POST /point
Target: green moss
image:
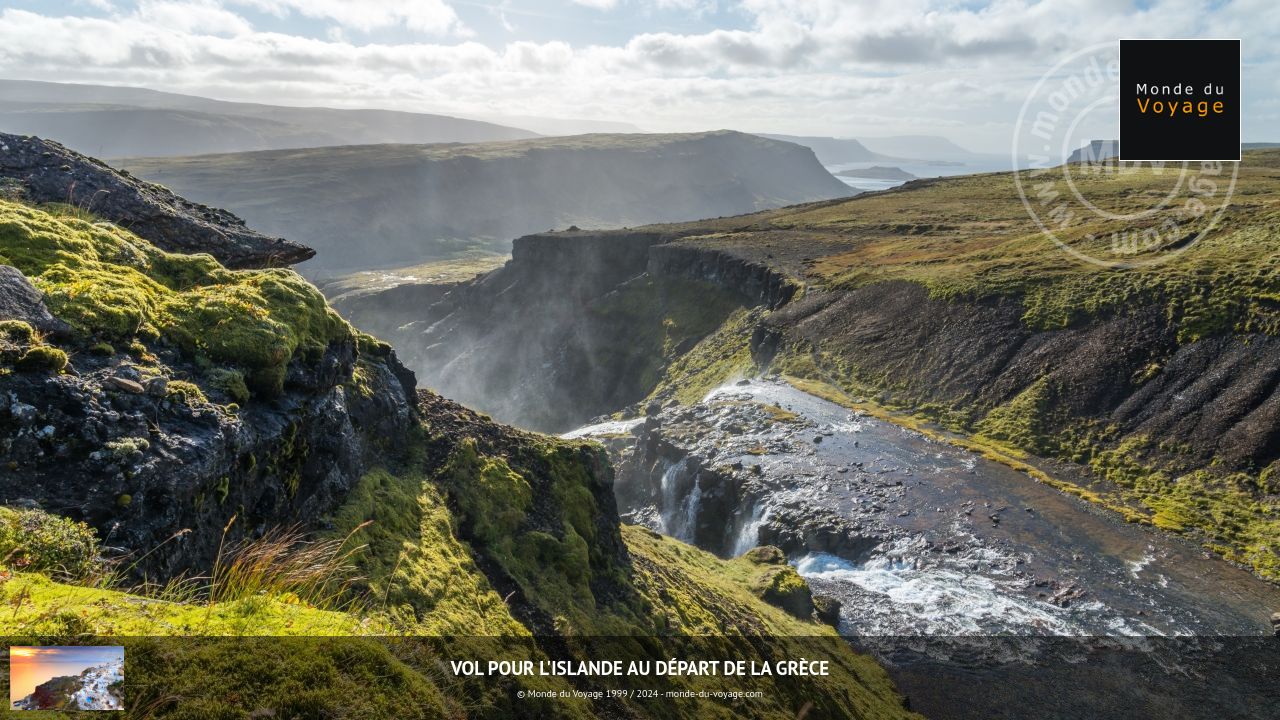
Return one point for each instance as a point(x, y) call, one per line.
point(42, 358)
point(360, 383)
point(102, 349)
point(1023, 420)
point(18, 331)
point(414, 565)
point(783, 587)
point(185, 392)
point(490, 496)
point(111, 285)
point(370, 345)
point(34, 540)
point(230, 382)
point(287, 462)
point(719, 357)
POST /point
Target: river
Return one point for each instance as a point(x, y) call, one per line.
point(932, 542)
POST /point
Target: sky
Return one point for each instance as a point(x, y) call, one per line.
point(839, 68)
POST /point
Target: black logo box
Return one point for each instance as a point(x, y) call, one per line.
point(1182, 65)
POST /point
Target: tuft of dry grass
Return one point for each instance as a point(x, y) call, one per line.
point(283, 563)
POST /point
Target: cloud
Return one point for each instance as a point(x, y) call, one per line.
point(597, 4)
point(801, 66)
point(192, 16)
point(426, 16)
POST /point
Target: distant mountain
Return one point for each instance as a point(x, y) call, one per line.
point(920, 147)
point(831, 151)
point(563, 126)
point(1096, 151)
point(108, 121)
point(380, 206)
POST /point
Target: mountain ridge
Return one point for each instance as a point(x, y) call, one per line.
point(111, 121)
point(410, 203)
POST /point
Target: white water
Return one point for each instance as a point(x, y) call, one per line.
point(749, 535)
point(1137, 566)
point(612, 427)
point(670, 501)
point(689, 518)
point(936, 601)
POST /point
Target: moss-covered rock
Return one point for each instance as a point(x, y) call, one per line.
point(111, 285)
point(17, 331)
point(42, 358)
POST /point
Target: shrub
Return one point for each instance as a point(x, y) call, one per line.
point(42, 358)
point(38, 541)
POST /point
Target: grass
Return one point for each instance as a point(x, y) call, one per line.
point(969, 238)
point(283, 562)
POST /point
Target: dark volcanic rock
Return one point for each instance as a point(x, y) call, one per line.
point(20, 300)
point(141, 466)
point(48, 172)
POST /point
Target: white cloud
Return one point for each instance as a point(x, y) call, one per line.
point(800, 66)
point(192, 16)
point(597, 4)
point(426, 16)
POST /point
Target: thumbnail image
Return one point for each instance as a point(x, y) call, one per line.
point(66, 678)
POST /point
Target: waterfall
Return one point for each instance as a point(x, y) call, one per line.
point(749, 534)
point(670, 493)
point(689, 526)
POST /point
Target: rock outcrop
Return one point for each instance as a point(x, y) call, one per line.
point(156, 395)
point(42, 171)
point(20, 300)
